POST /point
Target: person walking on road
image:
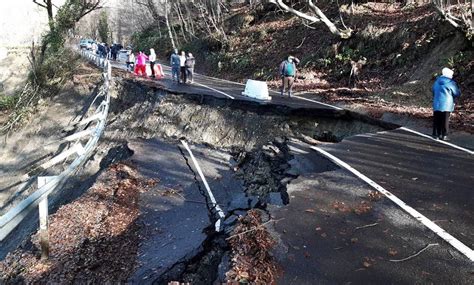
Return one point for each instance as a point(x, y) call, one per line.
point(175, 63)
point(182, 67)
point(288, 74)
point(190, 62)
point(445, 90)
point(152, 59)
point(140, 69)
point(130, 61)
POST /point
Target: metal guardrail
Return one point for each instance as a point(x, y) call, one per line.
point(47, 184)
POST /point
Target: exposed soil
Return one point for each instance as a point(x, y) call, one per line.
point(23, 150)
point(146, 112)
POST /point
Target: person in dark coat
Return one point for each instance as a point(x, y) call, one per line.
point(175, 64)
point(445, 90)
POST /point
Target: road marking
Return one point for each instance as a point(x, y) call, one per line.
point(314, 101)
point(440, 141)
point(220, 213)
point(238, 83)
point(215, 90)
point(469, 253)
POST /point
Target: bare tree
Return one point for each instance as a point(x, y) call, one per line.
point(48, 5)
point(458, 14)
point(66, 18)
point(170, 33)
point(318, 16)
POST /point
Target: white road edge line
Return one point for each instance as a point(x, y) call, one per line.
point(220, 213)
point(468, 252)
point(314, 101)
point(215, 90)
point(440, 141)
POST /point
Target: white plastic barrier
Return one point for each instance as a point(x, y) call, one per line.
point(256, 89)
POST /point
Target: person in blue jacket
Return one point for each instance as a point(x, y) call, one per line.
point(175, 63)
point(445, 90)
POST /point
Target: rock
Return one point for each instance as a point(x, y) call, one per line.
point(279, 140)
point(242, 202)
point(274, 198)
point(239, 201)
point(222, 269)
point(230, 220)
point(270, 147)
point(253, 201)
point(294, 167)
point(286, 180)
point(240, 213)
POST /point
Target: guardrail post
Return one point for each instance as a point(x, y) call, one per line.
point(109, 70)
point(43, 218)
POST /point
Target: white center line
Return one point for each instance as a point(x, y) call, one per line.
point(321, 103)
point(220, 213)
point(468, 252)
point(215, 90)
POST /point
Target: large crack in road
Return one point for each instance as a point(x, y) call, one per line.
point(250, 154)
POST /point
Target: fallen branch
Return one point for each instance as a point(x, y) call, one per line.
point(366, 226)
point(253, 229)
point(416, 254)
point(301, 42)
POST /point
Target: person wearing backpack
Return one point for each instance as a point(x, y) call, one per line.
point(288, 74)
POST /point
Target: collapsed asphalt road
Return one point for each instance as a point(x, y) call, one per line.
point(329, 226)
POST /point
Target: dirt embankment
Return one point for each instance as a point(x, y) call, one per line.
point(94, 239)
point(26, 148)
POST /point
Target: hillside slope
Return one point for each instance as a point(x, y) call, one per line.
point(401, 50)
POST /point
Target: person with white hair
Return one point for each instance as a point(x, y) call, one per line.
point(190, 62)
point(152, 59)
point(445, 90)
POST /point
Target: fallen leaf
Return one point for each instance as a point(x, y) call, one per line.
point(366, 264)
point(392, 252)
point(310, 211)
point(318, 228)
point(354, 240)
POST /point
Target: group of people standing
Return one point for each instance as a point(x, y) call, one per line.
point(182, 67)
point(138, 64)
point(445, 89)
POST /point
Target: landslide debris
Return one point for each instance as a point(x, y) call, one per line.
point(92, 240)
point(251, 261)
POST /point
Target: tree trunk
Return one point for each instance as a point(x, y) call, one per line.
point(320, 17)
point(170, 33)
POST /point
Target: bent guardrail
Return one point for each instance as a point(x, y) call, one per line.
point(47, 184)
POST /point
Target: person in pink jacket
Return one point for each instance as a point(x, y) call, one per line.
point(140, 68)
